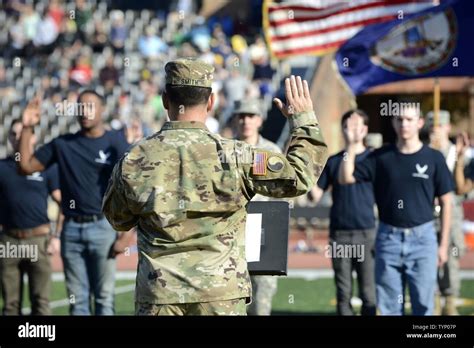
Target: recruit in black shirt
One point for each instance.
(24, 199)
(85, 165)
(352, 205)
(405, 185)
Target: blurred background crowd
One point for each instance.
(55, 48)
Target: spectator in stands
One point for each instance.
(151, 45)
(30, 22)
(219, 43)
(185, 7)
(118, 31)
(235, 87)
(124, 107)
(56, 12)
(18, 39)
(352, 224)
(81, 73)
(263, 71)
(7, 91)
(13, 7)
(46, 34)
(99, 37)
(82, 16)
(68, 32)
(153, 112)
(109, 75)
(46, 88)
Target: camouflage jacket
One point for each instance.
(186, 191)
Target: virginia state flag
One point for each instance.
(438, 41)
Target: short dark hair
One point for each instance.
(14, 122)
(91, 91)
(359, 112)
(188, 95)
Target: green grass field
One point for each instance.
(295, 296)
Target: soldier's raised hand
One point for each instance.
(462, 143)
(32, 112)
(297, 97)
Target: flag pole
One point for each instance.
(436, 102)
(436, 107)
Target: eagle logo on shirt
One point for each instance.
(36, 176)
(420, 171)
(103, 157)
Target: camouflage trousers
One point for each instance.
(449, 279)
(263, 290)
(228, 307)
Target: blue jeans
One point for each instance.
(406, 256)
(88, 268)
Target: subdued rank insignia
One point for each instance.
(260, 163)
(275, 164)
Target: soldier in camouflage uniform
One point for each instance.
(449, 280)
(248, 118)
(186, 191)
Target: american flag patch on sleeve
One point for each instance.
(260, 163)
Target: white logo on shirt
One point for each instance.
(36, 176)
(421, 171)
(103, 157)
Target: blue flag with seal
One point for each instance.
(435, 42)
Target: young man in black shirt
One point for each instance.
(85, 160)
(407, 176)
(26, 231)
(352, 225)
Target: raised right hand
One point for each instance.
(354, 130)
(32, 113)
(297, 96)
(462, 143)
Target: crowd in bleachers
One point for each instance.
(55, 48)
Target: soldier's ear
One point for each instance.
(211, 101)
(166, 101)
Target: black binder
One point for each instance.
(274, 238)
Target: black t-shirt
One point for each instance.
(85, 165)
(405, 185)
(24, 199)
(352, 205)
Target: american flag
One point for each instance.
(260, 163)
(321, 26)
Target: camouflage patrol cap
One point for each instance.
(248, 106)
(189, 72)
